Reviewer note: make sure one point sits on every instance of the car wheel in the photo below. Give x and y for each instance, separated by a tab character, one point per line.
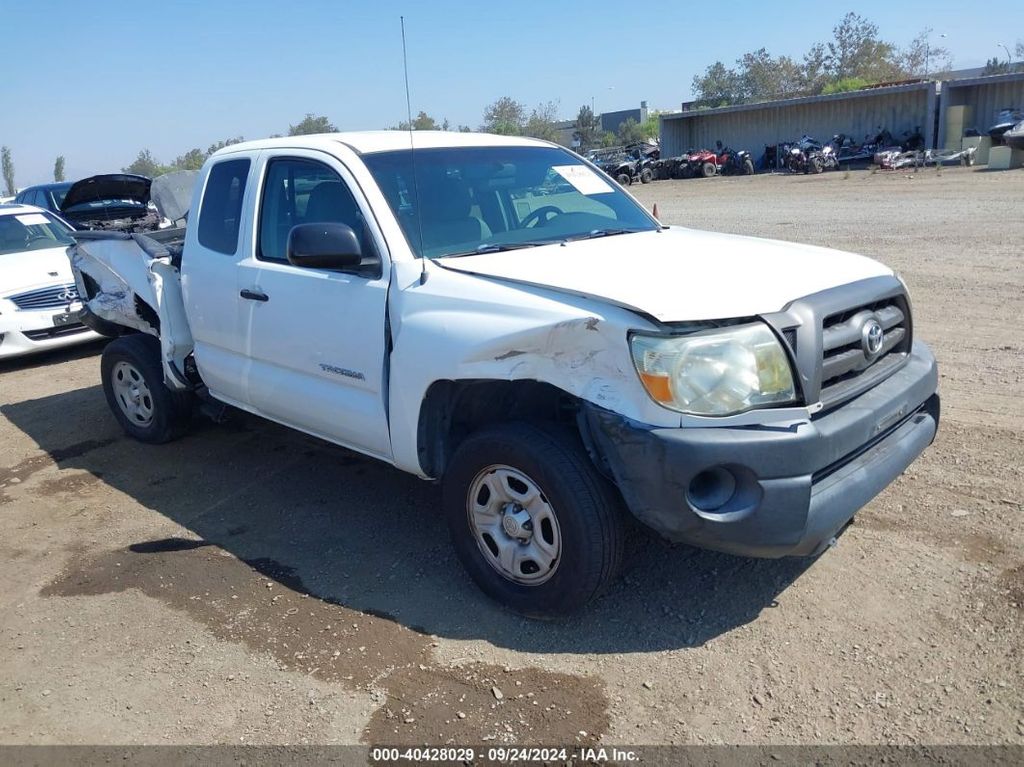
133	382
533	522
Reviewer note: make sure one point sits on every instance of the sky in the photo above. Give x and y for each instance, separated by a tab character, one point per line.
98	81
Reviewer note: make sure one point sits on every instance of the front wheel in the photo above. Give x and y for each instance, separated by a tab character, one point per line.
133	382
708	169
624	179
531	519
748	167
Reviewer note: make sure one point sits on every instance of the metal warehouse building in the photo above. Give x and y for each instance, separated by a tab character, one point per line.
974	103
898	108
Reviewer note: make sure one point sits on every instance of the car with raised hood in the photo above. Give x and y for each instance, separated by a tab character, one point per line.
46	196
497	314
38	301
118	201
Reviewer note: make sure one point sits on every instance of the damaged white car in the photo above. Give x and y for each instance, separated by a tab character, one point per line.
497	314
38	300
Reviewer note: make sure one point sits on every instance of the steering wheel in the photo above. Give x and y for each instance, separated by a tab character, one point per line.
541	216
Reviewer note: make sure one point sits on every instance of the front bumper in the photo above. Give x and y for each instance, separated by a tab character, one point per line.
792	488
25	332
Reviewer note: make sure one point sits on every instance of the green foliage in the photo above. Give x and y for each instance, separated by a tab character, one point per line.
506	117
588	128
845	85
630	132
855	53
651	127
542	122
995	66
146	165
8	169
58	168
193	159
422	121
311	124
609	139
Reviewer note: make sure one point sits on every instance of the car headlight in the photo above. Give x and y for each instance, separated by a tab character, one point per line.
715	372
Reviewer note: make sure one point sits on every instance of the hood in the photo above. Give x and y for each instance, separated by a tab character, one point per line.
33	269
112	186
679	274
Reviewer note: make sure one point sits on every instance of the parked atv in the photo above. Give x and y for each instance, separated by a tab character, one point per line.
702	163
732	163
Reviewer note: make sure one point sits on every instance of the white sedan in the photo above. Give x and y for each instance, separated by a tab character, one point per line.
38	301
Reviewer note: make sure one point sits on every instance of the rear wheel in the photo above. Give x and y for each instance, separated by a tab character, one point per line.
816	165
532	521
624	178
708	169
748	167
133	382
645	176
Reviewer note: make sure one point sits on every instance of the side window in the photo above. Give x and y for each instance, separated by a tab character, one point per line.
221	211
300	191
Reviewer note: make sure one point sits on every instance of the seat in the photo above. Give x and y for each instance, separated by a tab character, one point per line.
446	221
332	202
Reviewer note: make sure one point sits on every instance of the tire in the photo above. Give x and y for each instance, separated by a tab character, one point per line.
578	512
708	169
624	179
748	167
686	172
645	176
133	382
816	165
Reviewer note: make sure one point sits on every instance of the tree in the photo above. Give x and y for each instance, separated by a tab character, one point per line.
845	85
651	127
718	86
58	168
225	142
193	159
630	132
921	58
762	77
506	116
857	51
146	165
422	121
312	124
588	128
542	122
995	66
465	129
8	169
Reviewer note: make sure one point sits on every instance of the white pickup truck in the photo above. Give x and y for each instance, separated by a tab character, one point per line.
497	314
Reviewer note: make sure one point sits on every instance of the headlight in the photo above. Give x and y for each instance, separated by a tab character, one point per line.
715	372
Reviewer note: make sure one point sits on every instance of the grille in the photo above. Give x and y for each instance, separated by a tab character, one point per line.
55	332
846	366
56	297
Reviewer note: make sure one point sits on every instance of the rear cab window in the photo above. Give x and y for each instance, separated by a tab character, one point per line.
220	214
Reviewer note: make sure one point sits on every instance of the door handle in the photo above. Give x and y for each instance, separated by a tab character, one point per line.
254	295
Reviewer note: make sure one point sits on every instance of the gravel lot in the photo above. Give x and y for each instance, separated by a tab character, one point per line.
250	585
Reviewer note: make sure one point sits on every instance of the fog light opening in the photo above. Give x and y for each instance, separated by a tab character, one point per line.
712	489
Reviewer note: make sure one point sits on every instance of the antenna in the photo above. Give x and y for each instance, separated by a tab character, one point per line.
412	159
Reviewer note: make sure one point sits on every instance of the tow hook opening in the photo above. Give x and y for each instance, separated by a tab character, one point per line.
724	493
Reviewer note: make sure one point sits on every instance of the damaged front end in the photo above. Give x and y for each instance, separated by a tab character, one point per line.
132	283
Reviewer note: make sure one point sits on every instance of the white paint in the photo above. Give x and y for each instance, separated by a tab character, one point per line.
583	179
33	219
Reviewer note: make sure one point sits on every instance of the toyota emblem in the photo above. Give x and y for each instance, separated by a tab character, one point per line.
872	337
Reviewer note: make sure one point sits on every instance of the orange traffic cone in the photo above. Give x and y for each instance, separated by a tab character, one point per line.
655	212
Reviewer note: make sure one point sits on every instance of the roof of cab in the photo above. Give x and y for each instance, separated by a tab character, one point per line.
366	142
13	208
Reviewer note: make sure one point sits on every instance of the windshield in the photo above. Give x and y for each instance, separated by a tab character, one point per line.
59	192
484	199
31	231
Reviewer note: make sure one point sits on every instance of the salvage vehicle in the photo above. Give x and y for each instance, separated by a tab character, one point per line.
549	358
38	301
730	162
118	201
46	196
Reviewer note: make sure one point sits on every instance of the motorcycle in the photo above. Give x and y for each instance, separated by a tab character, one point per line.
805	156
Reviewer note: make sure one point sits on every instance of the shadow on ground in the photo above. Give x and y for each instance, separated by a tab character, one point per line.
353	531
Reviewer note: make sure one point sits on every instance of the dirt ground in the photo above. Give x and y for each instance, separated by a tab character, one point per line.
250	585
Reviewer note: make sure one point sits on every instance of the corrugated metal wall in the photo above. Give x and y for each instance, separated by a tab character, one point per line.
984	97
899	108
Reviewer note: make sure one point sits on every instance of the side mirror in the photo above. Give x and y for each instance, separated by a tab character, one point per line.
328	245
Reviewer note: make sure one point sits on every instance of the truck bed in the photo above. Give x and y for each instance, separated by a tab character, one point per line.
132	283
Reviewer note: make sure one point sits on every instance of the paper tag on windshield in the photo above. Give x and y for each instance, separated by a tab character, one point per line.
583	179
32	219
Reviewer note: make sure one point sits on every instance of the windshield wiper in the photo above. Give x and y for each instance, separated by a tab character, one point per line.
493	247
594	233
